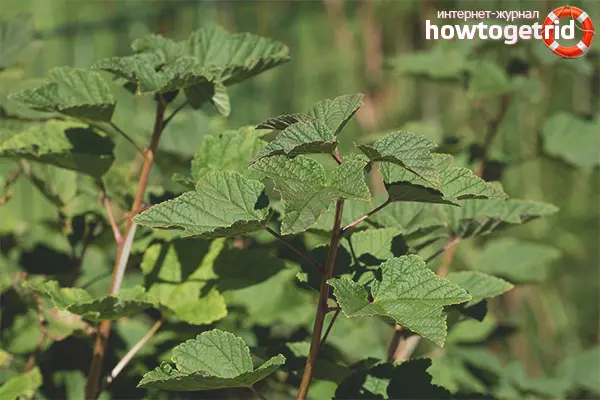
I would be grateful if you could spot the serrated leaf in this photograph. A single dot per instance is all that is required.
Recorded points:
(167, 49)
(374, 242)
(307, 190)
(479, 285)
(408, 292)
(152, 73)
(234, 57)
(214, 360)
(481, 217)
(64, 144)
(76, 92)
(227, 151)
(516, 260)
(126, 303)
(456, 183)
(407, 150)
(315, 132)
(222, 205)
(410, 217)
(573, 139)
(16, 39)
(22, 386)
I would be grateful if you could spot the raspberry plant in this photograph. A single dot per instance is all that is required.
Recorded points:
(275, 202)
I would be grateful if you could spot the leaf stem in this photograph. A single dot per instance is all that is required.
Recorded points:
(127, 137)
(367, 215)
(322, 304)
(301, 253)
(175, 111)
(132, 352)
(451, 243)
(337, 313)
(92, 384)
(12, 178)
(111, 218)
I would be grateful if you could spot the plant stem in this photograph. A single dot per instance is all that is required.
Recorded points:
(127, 137)
(322, 304)
(111, 218)
(257, 393)
(132, 352)
(12, 178)
(337, 313)
(302, 254)
(92, 384)
(451, 243)
(175, 111)
(367, 215)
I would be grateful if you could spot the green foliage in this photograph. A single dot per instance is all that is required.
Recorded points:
(23, 386)
(214, 360)
(407, 292)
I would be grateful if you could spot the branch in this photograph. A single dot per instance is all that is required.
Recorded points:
(451, 243)
(12, 178)
(111, 218)
(127, 137)
(175, 111)
(337, 313)
(132, 352)
(322, 304)
(367, 215)
(92, 384)
(302, 254)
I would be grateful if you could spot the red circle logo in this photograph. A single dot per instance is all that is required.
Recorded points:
(550, 25)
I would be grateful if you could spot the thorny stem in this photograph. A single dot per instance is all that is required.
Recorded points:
(132, 352)
(322, 304)
(367, 215)
(92, 384)
(337, 313)
(302, 254)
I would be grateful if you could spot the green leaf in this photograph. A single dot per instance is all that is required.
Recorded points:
(152, 73)
(583, 369)
(408, 292)
(410, 217)
(16, 39)
(573, 139)
(479, 285)
(222, 205)
(234, 57)
(481, 217)
(456, 183)
(517, 260)
(227, 151)
(214, 360)
(307, 190)
(75, 92)
(374, 242)
(125, 303)
(487, 79)
(315, 132)
(471, 331)
(22, 386)
(64, 144)
(407, 150)
(167, 49)
(444, 61)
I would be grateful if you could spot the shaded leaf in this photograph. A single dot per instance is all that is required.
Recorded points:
(456, 183)
(479, 285)
(408, 292)
(572, 139)
(222, 205)
(374, 242)
(21, 386)
(214, 360)
(76, 92)
(65, 144)
(307, 190)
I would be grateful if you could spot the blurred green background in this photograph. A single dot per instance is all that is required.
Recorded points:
(546, 148)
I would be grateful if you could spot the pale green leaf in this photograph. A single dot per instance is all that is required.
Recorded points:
(487, 79)
(227, 151)
(125, 303)
(517, 260)
(76, 92)
(281, 122)
(407, 150)
(479, 217)
(479, 285)
(471, 331)
(410, 217)
(583, 369)
(408, 292)
(167, 49)
(336, 113)
(214, 360)
(573, 139)
(307, 190)
(222, 205)
(65, 144)
(456, 183)
(22, 386)
(374, 242)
